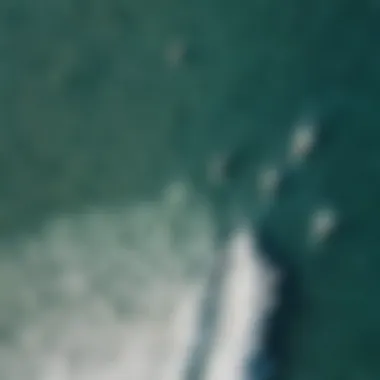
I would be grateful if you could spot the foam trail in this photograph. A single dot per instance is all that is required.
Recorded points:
(247, 297)
(117, 295)
(107, 295)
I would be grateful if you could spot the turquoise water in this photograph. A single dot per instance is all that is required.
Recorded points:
(104, 103)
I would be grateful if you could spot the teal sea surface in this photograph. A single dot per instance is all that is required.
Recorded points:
(138, 138)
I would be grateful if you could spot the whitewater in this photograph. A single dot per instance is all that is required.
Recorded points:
(117, 293)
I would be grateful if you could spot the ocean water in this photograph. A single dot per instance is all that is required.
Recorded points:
(264, 114)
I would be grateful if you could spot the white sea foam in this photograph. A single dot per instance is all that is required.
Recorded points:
(303, 140)
(116, 294)
(248, 295)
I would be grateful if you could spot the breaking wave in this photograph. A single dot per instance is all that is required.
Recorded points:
(117, 294)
